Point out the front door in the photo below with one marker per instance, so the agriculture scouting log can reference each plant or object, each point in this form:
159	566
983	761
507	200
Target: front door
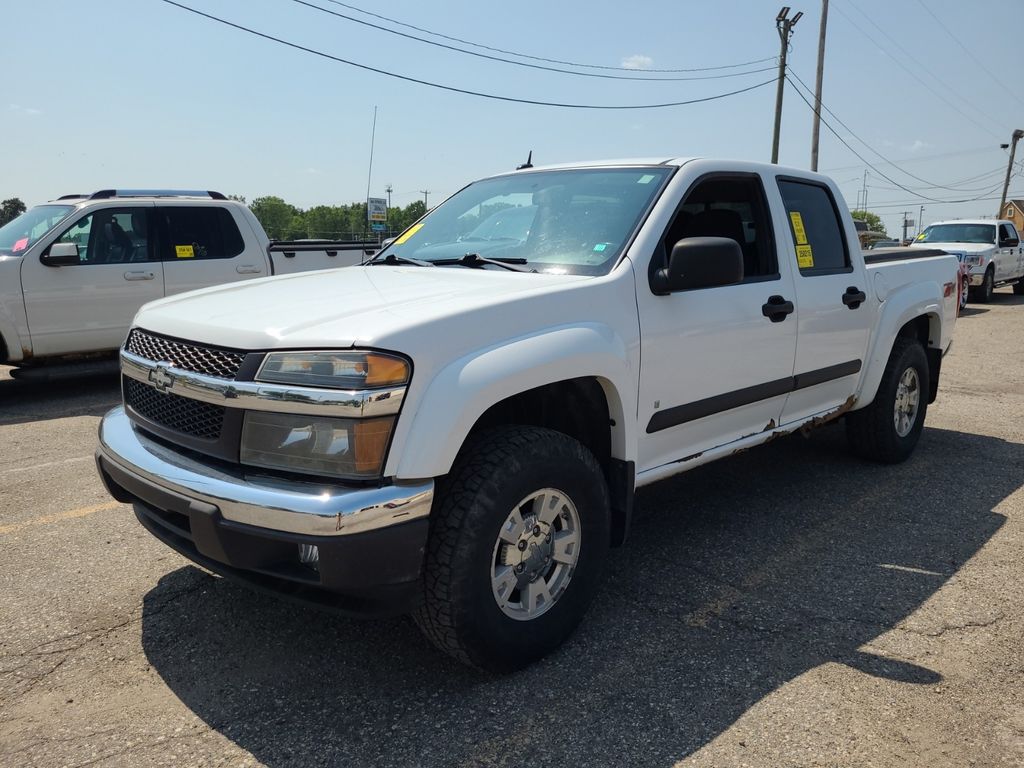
89	306
714	366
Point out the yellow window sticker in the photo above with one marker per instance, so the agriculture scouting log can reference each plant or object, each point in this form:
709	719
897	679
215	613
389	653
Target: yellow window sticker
408	233
804	256
184	251
798	227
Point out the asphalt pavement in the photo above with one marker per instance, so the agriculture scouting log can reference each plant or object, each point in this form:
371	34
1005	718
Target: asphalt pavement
789	606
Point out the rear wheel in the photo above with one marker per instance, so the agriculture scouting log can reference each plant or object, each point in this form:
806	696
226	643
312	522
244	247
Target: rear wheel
888	430
517	547
1018	287
965	287
983	292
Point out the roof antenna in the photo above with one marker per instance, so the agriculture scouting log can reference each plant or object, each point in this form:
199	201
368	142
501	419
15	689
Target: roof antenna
528	163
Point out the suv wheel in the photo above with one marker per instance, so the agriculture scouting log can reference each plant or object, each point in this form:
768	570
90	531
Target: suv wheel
983	292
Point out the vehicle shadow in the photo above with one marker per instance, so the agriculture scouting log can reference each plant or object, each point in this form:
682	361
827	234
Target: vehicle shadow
65	394
738	578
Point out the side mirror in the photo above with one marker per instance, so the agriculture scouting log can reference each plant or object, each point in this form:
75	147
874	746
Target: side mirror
1009	242
61	255
700	262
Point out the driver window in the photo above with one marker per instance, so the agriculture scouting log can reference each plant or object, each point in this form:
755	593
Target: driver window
113	236
732	207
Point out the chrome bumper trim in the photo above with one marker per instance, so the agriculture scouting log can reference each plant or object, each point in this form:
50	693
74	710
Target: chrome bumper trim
243	496
256	396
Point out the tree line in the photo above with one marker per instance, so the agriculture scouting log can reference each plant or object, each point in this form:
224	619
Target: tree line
284	221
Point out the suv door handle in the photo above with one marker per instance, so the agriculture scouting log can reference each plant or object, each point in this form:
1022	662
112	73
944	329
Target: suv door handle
776	309
248	269
139	275
854	297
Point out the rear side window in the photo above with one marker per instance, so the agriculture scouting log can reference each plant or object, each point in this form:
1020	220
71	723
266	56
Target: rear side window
815	226
199	233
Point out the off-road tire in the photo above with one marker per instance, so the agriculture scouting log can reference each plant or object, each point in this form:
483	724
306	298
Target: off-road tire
494	471
871	431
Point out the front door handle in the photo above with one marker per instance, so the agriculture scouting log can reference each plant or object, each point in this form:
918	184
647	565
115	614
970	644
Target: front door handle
248	269
854	297
139	275
776	309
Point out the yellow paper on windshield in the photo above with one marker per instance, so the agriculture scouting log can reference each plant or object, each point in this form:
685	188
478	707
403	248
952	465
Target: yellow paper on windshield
804	256
408	233
798	227
184	251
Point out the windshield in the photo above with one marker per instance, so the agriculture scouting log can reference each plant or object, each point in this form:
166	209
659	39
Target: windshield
959	233
20	234
563	222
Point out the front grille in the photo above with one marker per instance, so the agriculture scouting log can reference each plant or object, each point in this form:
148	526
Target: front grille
211	361
182	414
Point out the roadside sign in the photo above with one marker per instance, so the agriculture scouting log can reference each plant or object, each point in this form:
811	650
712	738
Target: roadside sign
376	209
378	226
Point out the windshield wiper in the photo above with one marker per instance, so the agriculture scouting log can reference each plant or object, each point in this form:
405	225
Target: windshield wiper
394	258
476	260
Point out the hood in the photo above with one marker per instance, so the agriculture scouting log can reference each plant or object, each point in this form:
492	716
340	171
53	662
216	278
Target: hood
352	306
955	247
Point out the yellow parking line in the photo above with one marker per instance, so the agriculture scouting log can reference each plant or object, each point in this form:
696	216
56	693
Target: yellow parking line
56	518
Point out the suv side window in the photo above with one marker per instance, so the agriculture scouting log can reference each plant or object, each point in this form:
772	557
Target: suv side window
110	236
206	232
731	206
816	229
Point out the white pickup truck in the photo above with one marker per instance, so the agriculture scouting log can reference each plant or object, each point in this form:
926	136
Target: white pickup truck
991	249
457	428
74	272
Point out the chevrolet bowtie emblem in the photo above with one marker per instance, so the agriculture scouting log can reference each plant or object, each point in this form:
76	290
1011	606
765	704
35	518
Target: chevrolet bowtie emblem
161	378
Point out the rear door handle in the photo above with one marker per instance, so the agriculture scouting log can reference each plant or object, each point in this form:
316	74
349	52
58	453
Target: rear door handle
139	275
854	297
777	308
248	269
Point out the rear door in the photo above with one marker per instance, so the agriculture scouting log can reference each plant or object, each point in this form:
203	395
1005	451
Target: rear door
202	245
834	318
1009	264
89	306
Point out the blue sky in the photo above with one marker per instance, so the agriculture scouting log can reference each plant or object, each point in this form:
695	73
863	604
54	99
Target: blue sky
137	93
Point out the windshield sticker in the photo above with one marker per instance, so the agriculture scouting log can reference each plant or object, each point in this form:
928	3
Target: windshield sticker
20	245
184	251
647	178
921	236
804	256
408	233
600	247
798	227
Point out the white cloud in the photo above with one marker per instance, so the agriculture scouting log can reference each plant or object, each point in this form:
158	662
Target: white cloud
314	171
918	145
28	111
638	61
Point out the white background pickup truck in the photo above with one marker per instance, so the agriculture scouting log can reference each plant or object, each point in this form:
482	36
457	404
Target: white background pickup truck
991	249
74	272
458	427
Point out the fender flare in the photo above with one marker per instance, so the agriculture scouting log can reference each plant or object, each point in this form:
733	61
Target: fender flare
900	307
431	432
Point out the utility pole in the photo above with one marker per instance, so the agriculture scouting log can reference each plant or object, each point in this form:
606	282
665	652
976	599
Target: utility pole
817	85
785	26
388	189
904	238
425	193
1017	135
864	192
920	220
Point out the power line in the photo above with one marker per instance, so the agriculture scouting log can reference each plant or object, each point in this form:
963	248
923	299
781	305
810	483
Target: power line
918	159
928	184
904	67
970	53
453	89
539	58
523	63
868	164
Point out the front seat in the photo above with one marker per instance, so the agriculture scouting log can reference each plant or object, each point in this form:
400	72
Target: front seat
722	222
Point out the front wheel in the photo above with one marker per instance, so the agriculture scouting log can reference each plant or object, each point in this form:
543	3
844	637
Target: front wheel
518	541
983	292
887	431
965	287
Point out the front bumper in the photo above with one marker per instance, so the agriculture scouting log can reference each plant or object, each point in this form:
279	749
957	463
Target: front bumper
251	526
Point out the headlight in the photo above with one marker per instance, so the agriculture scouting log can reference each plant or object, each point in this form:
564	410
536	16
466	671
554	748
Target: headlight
974	259
334	370
318	445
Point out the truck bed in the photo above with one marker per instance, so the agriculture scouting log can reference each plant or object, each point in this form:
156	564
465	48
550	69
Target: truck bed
289	257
